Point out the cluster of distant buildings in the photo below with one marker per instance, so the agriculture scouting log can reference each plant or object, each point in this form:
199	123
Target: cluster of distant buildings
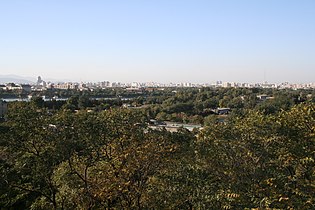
42	85
13	86
285	85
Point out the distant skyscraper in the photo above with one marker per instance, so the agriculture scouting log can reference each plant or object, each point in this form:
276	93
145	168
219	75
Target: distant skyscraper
39	80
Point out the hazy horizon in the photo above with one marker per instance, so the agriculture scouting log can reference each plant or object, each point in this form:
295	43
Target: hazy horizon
161	41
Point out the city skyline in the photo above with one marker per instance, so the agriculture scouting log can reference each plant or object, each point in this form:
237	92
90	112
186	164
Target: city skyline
160	41
41	84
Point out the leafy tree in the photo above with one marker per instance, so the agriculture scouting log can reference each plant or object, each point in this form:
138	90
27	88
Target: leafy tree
37	101
267	161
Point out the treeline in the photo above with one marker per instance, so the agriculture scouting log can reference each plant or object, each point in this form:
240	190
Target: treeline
187	105
63	93
196	105
110	159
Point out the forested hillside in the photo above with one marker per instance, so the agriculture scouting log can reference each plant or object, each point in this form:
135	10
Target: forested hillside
261	156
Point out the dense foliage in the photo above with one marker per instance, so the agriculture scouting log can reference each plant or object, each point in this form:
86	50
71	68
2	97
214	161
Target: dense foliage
110	159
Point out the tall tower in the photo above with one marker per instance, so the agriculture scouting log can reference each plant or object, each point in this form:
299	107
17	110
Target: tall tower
39	80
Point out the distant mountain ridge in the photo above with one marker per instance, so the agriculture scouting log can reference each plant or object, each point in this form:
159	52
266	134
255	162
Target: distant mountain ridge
16	79
24	80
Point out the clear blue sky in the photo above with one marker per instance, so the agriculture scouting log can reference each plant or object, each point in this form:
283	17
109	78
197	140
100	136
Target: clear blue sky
159	40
